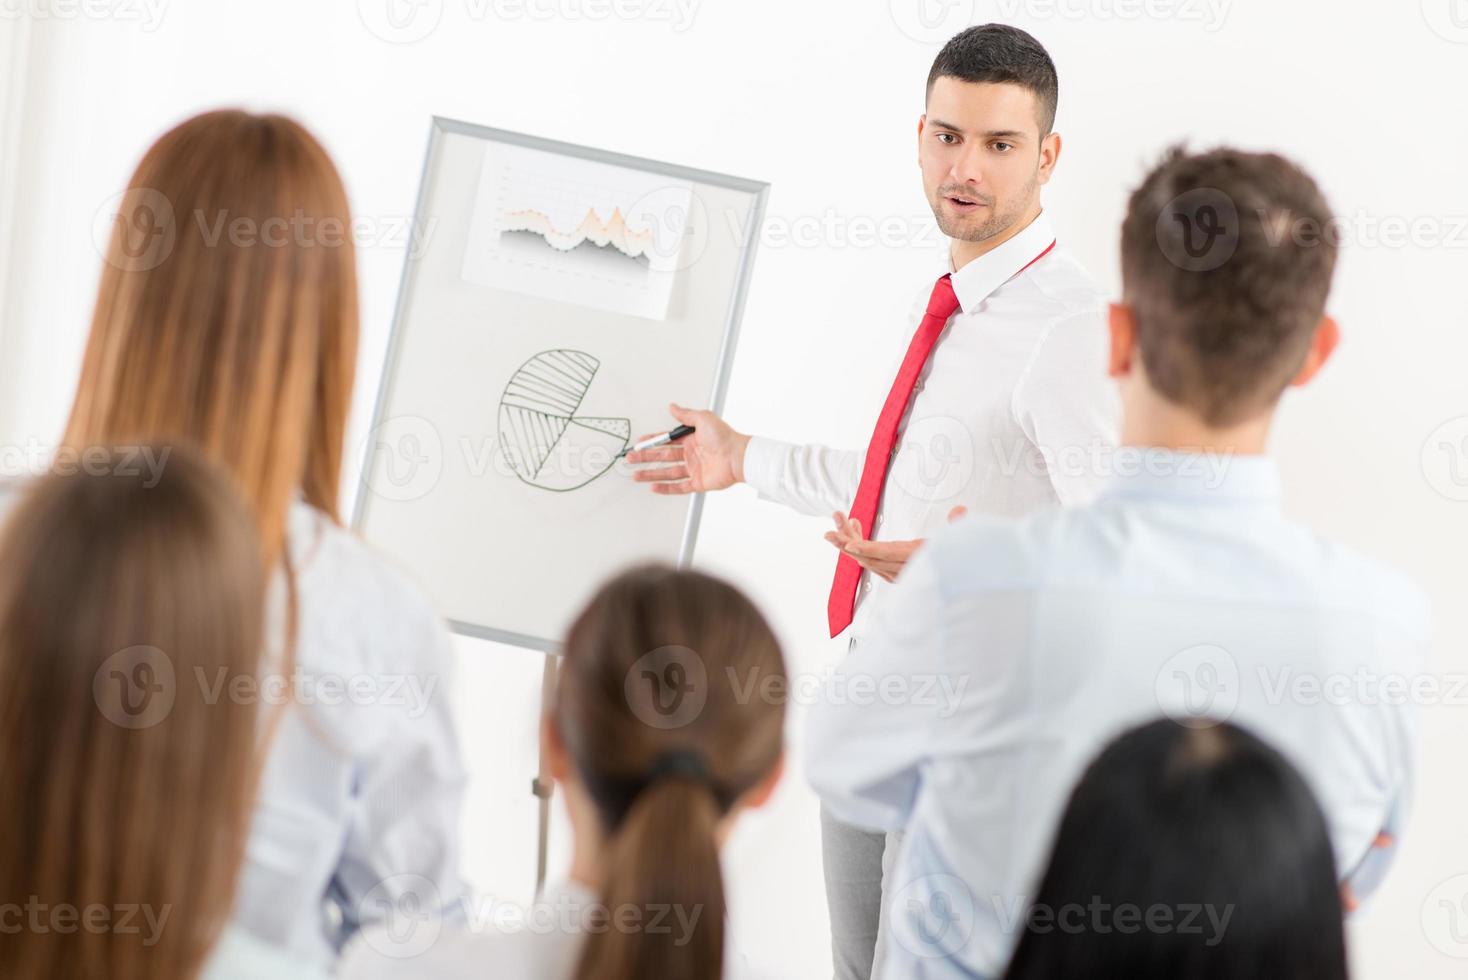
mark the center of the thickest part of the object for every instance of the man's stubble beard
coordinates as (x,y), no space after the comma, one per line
(998,223)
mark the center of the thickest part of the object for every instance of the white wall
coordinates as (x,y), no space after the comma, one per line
(14,73)
(822,99)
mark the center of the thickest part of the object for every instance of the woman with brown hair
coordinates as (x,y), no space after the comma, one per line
(668,724)
(124,787)
(227,318)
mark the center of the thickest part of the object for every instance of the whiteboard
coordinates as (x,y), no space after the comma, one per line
(558,299)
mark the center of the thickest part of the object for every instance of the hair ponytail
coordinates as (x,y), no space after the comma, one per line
(662,898)
(662,785)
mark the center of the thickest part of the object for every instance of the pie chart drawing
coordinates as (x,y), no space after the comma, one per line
(542,438)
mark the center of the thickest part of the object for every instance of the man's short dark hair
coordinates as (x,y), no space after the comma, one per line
(999,53)
(1226,261)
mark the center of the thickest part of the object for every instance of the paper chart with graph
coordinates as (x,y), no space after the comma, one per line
(577,231)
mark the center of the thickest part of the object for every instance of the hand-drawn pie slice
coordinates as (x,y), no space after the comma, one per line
(541,436)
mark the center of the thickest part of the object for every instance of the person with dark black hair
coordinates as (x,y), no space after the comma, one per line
(1003,375)
(1000,54)
(1187,851)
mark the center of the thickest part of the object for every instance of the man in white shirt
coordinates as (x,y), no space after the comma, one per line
(1000,400)
(1182,590)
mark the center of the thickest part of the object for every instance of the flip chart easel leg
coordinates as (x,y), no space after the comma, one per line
(543,785)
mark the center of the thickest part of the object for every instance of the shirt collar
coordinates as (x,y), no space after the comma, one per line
(1211,476)
(974,282)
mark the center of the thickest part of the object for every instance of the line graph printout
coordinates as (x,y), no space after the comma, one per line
(578,231)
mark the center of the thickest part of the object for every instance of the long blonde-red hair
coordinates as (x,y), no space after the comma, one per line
(227,313)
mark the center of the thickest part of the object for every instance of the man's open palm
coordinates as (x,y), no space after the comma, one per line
(712,458)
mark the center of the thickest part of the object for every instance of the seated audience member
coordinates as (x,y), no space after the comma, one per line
(658,754)
(125,784)
(1187,851)
(1183,588)
(226,317)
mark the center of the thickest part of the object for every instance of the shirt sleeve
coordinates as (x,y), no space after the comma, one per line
(1067,405)
(869,732)
(1399,734)
(402,846)
(1366,877)
(814,480)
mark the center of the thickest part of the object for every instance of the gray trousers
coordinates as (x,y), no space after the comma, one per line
(856,862)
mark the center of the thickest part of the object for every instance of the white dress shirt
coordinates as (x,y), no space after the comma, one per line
(1013,401)
(1182,590)
(541,941)
(360,799)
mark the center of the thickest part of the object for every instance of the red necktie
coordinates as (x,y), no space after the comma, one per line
(879,452)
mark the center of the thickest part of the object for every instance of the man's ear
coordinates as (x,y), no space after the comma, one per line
(1123,340)
(1049,157)
(922,125)
(1322,345)
(759,794)
(557,759)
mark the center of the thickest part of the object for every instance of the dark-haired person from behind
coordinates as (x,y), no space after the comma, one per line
(1187,851)
(658,753)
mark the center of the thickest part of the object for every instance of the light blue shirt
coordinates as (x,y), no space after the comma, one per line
(1011,652)
(358,809)
(237,955)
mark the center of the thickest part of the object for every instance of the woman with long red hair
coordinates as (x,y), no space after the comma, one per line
(227,318)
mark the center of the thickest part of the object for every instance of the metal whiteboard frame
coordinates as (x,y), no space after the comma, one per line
(441,127)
